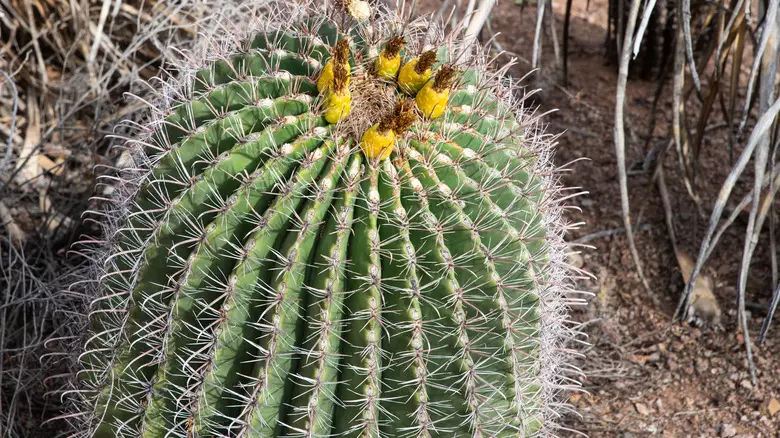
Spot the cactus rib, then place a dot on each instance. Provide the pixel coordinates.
(314, 395)
(286, 264)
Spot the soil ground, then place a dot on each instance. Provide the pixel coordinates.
(644, 374)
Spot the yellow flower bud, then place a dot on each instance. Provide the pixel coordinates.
(340, 56)
(377, 143)
(415, 73)
(338, 99)
(432, 103)
(337, 105)
(387, 68)
(432, 98)
(389, 61)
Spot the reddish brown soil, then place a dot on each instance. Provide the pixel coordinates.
(644, 374)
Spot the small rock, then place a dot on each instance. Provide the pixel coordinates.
(576, 260)
(639, 359)
(746, 384)
(773, 407)
(702, 365)
(642, 409)
(727, 430)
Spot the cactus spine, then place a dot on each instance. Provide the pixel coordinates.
(306, 252)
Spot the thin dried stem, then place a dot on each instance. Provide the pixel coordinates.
(685, 19)
(12, 128)
(620, 140)
(761, 129)
(537, 51)
(649, 7)
(476, 21)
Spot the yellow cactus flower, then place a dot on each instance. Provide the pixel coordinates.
(432, 98)
(378, 141)
(389, 60)
(340, 56)
(337, 105)
(338, 99)
(415, 73)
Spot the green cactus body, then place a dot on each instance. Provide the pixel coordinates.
(270, 278)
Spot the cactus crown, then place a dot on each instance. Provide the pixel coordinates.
(269, 273)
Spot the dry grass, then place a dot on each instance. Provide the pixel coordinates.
(67, 70)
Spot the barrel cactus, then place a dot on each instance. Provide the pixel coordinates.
(342, 223)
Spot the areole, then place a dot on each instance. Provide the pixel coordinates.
(319, 245)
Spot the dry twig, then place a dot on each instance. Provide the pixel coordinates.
(620, 140)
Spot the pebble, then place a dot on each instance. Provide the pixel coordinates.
(576, 260)
(773, 407)
(702, 365)
(642, 409)
(727, 430)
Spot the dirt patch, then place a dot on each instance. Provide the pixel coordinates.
(645, 375)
